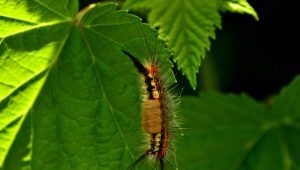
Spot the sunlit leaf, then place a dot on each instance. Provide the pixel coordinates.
(189, 26)
(239, 6)
(69, 97)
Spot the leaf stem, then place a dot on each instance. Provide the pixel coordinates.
(82, 13)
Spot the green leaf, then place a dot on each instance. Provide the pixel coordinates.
(188, 26)
(29, 30)
(280, 148)
(19, 155)
(239, 6)
(268, 153)
(286, 109)
(235, 132)
(69, 97)
(221, 130)
(287, 105)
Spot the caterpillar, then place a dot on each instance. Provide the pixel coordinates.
(158, 117)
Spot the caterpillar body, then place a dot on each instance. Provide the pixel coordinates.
(158, 118)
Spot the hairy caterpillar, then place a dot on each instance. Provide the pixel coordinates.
(158, 117)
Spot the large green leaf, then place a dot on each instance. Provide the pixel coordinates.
(222, 130)
(286, 109)
(69, 97)
(287, 105)
(188, 25)
(32, 34)
(235, 132)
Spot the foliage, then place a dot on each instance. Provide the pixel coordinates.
(188, 25)
(68, 93)
(70, 98)
(235, 132)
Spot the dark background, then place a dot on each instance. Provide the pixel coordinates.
(262, 56)
(257, 58)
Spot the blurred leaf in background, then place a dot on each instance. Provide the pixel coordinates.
(188, 25)
(235, 132)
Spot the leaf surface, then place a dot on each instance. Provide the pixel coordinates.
(188, 26)
(286, 109)
(221, 130)
(238, 6)
(235, 132)
(69, 97)
(25, 29)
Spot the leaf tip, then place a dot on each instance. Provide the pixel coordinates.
(192, 80)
